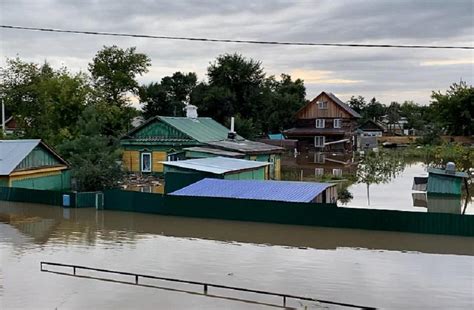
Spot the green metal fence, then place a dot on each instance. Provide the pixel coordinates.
(90, 200)
(327, 215)
(49, 197)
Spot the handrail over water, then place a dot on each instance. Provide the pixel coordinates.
(205, 285)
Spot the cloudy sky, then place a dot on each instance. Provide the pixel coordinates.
(387, 74)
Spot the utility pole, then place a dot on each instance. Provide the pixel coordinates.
(3, 118)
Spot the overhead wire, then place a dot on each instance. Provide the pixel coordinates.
(163, 37)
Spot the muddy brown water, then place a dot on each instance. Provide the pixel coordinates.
(380, 269)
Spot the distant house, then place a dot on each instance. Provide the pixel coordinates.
(163, 138)
(10, 125)
(325, 124)
(32, 164)
(372, 128)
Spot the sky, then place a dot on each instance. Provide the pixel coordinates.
(387, 74)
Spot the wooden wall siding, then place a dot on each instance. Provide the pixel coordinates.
(160, 129)
(39, 157)
(156, 158)
(131, 161)
(346, 123)
(312, 111)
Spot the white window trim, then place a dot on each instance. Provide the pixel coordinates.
(323, 105)
(337, 172)
(324, 141)
(141, 161)
(318, 172)
(320, 123)
(317, 157)
(337, 121)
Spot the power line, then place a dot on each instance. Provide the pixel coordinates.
(146, 36)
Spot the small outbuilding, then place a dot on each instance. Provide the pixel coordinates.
(32, 164)
(184, 172)
(306, 192)
(445, 181)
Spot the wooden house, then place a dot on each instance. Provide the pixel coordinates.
(32, 164)
(371, 128)
(325, 124)
(163, 138)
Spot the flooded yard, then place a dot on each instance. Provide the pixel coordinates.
(379, 269)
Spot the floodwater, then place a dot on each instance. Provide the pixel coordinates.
(379, 269)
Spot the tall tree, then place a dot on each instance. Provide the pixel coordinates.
(357, 103)
(454, 110)
(114, 71)
(374, 110)
(94, 157)
(45, 102)
(169, 97)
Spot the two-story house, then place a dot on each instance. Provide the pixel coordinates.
(325, 124)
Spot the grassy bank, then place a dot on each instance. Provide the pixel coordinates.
(462, 156)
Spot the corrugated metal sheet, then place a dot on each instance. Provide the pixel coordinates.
(246, 146)
(212, 151)
(12, 152)
(216, 165)
(253, 189)
(203, 129)
(443, 172)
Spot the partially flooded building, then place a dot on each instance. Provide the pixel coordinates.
(32, 164)
(164, 138)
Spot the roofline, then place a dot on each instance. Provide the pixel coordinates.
(336, 100)
(55, 153)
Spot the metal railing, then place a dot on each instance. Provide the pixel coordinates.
(205, 285)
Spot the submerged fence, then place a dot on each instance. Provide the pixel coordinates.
(326, 215)
(134, 277)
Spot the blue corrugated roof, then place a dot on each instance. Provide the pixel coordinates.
(12, 152)
(254, 189)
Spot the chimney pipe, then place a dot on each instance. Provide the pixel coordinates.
(3, 118)
(231, 135)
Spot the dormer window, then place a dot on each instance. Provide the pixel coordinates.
(320, 123)
(323, 105)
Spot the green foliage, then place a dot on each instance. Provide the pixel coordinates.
(114, 71)
(44, 102)
(93, 156)
(358, 104)
(214, 101)
(431, 136)
(168, 97)
(454, 110)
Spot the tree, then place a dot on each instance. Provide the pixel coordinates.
(374, 110)
(45, 102)
(415, 114)
(454, 110)
(393, 115)
(378, 168)
(114, 71)
(169, 97)
(213, 101)
(357, 104)
(94, 157)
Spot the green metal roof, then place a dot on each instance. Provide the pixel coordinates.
(202, 129)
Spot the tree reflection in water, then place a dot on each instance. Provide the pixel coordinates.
(378, 168)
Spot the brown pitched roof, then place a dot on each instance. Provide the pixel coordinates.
(342, 104)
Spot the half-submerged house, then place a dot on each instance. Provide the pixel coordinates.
(325, 124)
(164, 138)
(32, 164)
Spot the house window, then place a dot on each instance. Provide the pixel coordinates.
(318, 172)
(323, 105)
(319, 158)
(146, 162)
(173, 157)
(320, 123)
(337, 123)
(337, 172)
(319, 141)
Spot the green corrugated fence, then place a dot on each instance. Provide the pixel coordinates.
(327, 215)
(90, 200)
(48, 197)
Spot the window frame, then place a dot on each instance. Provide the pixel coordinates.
(323, 141)
(318, 172)
(322, 105)
(142, 155)
(318, 121)
(339, 121)
(337, 172)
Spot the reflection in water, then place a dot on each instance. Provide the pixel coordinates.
(392, 270)
(438, 203)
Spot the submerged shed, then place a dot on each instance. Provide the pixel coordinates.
(184, 172)
(32, 164)
(445, 181)
(307, 192)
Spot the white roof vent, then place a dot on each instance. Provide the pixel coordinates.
(191, 111)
